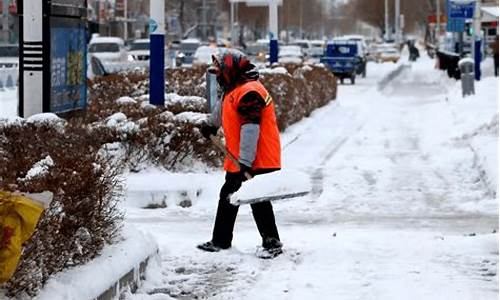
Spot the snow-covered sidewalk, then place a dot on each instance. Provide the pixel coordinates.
(399, 209)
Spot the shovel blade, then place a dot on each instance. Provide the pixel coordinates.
(270, 198)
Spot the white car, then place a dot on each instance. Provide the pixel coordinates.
(317, 48)
(139, 50)
(203, 55)
(108, 49)
(290, 55)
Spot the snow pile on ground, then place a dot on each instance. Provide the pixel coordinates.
(154, 188)
(90, 280)
(486, 150)
(476, 121)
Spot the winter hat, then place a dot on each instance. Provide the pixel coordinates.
(233, 68)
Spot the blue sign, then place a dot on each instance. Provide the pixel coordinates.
(461, 9)
(455, 25)
(153, 25)
(68, 68)
(458, 12)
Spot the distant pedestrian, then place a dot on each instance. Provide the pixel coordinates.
(495, 55)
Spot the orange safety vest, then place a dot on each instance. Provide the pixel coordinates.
(268, 155)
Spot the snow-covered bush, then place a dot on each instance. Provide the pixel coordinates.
(299, 92)
(82, 219)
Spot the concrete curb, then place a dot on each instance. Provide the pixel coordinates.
(128, 282)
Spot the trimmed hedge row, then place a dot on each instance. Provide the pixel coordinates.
(90, 149)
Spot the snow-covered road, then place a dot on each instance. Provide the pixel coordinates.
(400, 209)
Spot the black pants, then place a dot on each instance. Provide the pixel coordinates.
(226, 215)
(495, 57)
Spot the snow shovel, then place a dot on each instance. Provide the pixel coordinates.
(274, 186)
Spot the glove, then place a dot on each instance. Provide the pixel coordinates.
(244, 169)
(208, 130)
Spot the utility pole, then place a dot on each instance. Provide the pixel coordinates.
(204, 20)
(5, 22)
(397, 9)
(233, 36)
(125, 21)
(387, 35)
(300, 21)
(438, 21)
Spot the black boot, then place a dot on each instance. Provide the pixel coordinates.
(271, 247)
(212, 247)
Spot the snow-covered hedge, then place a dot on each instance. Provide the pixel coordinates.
(47, 153)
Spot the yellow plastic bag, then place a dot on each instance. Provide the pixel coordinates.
(19, 216)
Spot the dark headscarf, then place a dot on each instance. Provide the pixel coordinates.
(235, 69)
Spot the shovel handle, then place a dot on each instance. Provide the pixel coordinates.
(231, 157)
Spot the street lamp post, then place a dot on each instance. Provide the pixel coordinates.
(438, 21)
(397, 13)
(387, 36)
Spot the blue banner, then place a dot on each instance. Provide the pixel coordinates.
(68, 68)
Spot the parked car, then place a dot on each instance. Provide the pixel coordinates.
(312, 49)
(108, 49)
(9, 56)
(186, 50)
(316, 49)
(290, 54)
(203, 55)
(139, 50)
(388, 54)
(258, 51)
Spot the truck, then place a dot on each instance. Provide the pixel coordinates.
(343, 59)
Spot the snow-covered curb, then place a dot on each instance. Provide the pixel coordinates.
(486, 151)
(119, 268)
